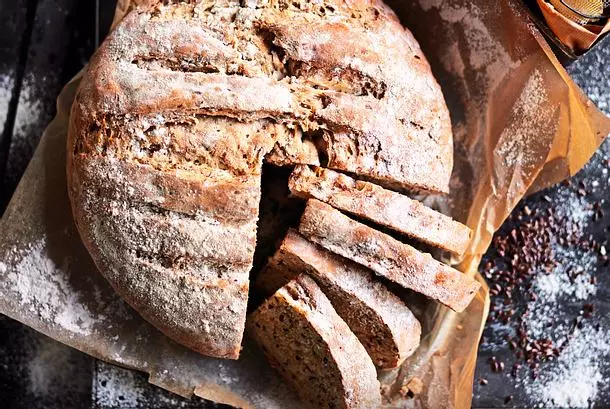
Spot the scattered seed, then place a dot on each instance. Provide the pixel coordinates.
(524, 251)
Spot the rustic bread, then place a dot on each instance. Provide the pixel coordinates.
(386, 256)
(382, 206)
(280, 78)
(177, 247)
(184, 101)
(382, 322)
(313, 348)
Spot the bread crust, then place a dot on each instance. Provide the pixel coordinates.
(181, 105)
(313, 348)
(384, 207)
(354, 77)
(385, 326)
(386, 256)
(169, 255)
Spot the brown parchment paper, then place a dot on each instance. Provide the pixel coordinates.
(579, 38)
(520, 124)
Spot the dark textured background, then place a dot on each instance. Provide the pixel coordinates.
(43, 43)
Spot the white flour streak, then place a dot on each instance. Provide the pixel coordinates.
(31, 118)
(6, 93)
(51, 366)
(30, 108)
(484, 52)
(43, 287)
(570, 281)
(575, 378)
(514, 145)
(117, 388)
(558, 282)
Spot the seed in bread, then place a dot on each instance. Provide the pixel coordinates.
(385, 326)
(382, 206)
(314, 349)
(386, 256)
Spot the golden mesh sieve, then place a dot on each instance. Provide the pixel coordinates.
(582, 11)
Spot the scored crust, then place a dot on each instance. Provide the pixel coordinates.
(184, 101)
(314, 349)
(345, 76)
(177, 247)
(385, 326)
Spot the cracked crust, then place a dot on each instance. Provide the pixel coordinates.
(386, 256)
(184, 101)
(343, 76)
(385, 326)
(313, 348)
(177, 247)
(382, 206)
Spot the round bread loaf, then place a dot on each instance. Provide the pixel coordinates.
(184, 102)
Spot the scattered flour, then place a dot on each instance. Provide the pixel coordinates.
(574, 379)
(484, 51)
(31, 117)
(116, 387)
(570, 281)
(43, 287)
(6, 93)
(575, 208)
(30, 107)
(428, 4)
(453, 61)
(514, 146)
(42, 372)
(558, 283)
(52, 366)
(224, 375)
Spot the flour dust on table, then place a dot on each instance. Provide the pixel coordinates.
(39, 282)
(118, 388)
(7, 84)
(37, 372)
(547, 271)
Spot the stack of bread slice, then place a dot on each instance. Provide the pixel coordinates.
(327, 291)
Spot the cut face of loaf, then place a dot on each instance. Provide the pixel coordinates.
(386, 256)
(313, 348)
(382, 322)
(382, 206)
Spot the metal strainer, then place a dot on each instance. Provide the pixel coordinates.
(583, 11)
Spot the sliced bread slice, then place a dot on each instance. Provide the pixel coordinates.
(385, 207)
(385, 326)
(314, 349)
(386, 256)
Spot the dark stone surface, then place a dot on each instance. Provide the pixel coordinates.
(495, 343)
(53, 39)
(14, 42)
